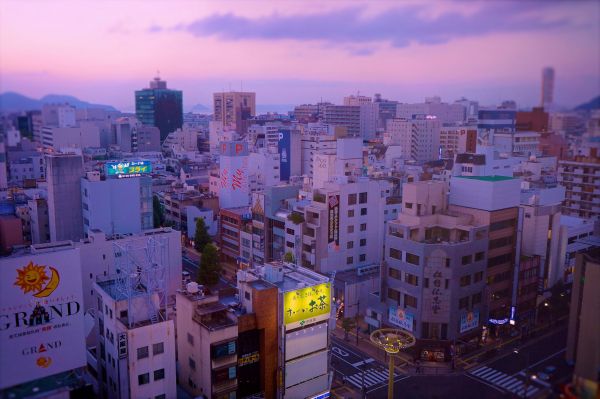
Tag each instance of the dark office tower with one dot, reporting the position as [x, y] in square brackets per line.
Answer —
[160, 107]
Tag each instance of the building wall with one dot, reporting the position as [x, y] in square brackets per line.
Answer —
[11, 233]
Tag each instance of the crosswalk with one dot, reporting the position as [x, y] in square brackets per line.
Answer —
[505, 381]
[372, 377]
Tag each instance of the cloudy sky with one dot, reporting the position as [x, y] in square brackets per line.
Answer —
[297, 52]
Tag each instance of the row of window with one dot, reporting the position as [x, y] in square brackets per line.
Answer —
[409, 300]
[145, 378]
[410, 258]
[363, 227]
[362, 198]
[363, 212]
[361, 258]
[463, 303]
[362, 243]
[143, 352]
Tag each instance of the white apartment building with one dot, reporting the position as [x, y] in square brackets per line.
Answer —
[58, 115]
[316, 139]
[58, 138]
[348, 161]
[485, 162]
[263, 169]
[581, 178]
[419, 137]
[524, 143]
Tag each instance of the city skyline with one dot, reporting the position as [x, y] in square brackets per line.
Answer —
[349, 47]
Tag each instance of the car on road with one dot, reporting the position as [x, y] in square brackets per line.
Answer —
[547, 374]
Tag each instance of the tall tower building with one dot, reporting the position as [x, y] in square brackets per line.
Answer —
[547, 86]
[64, 172]
[160, 107]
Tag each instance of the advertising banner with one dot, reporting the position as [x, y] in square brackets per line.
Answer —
[307, 305]
[401, 318]
[41, 316]
[469, 321]
[284, 149]
[128, 169]
[333, 236]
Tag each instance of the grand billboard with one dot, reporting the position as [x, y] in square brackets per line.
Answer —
[469, 321]
[128, 169]
[401, 318]
[284, 146]
[307, 305]
[41, 316]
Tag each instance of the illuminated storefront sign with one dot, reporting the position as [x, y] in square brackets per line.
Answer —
[128, 168]
[307, 305]
[469, 321]
[401, 318]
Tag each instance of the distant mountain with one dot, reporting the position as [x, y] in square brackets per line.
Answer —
[11, 101]
[199, 109]
[592, 104]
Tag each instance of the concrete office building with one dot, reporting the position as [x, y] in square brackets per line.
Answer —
[132, 136]
[58, 115]
[584, 325]
[581, 178]
[317, 139]
[136, 343]
[418, 137]
[234, 184]
[160, 107]
[444, 112]
[435, 273]
[59, 138]
[234, 109]
[495, 120]
[517, 143]
[348, 161]
[494, 201]
[27, 168]
[116, 206]
[64, 172]
[457, 140]
[347, 116]
[40, 224]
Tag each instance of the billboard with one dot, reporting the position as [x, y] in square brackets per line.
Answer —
[306, 305]
[128, 169]
[284, 146]
[333, 235]
[41, 316]
[469, 321]
[401, 318]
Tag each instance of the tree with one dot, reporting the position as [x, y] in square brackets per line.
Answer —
[201, 238]
[289, 257]
[348, 324]
[209, 269]
[157, 212]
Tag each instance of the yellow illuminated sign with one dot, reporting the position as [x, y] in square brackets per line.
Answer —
[307, 304]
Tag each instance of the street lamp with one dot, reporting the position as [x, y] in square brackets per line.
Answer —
[392, 341]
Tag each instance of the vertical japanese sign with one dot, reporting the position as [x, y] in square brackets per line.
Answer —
[333, 236]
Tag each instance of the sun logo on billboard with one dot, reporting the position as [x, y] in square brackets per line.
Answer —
[32, 278]
[43, 361]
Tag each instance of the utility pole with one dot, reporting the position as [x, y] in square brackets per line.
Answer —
[356, 317]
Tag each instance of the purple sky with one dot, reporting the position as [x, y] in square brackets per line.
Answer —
[297, 52]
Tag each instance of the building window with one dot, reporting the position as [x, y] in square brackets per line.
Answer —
[411, 258]
[142, 352]
[363, 242]
[350, 229]
[394, 295]
[396, 254]
[411, 279]
[363, 211]
[190, 339]
[477, 277]
[351, 199]
[362, 257]
[463, 303]
[465, 280]
[143, 378]
[350, 213]
[158, 348]
[476, 298]
[410, 301]
[479, 256]
[426, 283]
[500, 242]
[465, 260]
[362, 198]
[447, 262]
[159, 374]
[349, 260]
[363, 227]
[247, 295]
[500, 259]
[394, 273]
[192, 363]
[350, 245]
[502, 224]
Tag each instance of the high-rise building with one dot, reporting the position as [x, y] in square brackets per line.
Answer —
[160, 107]
[584, 325]
[547, 87]
[418, 136]
[343, 115]
[581, 178]
[234, 185]
[445, 113]
[234, 109]
[64, 172]
[132, 136]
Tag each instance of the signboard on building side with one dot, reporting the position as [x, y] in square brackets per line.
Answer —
[401, 318]
[306, 305]
[469, 321]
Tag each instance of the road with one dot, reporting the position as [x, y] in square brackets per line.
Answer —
[358, 369]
